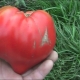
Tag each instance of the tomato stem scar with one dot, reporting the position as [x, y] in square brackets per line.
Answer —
[28, 13]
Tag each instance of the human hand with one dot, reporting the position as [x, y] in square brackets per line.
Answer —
[38, 72]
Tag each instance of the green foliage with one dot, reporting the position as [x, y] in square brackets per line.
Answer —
[66, 14]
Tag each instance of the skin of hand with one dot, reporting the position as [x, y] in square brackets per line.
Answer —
[37, 72]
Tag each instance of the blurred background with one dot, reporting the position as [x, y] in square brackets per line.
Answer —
[66, 15]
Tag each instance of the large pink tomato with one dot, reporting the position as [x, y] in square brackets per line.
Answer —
[26, 39]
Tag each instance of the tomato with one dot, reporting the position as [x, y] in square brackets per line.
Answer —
[26, 39]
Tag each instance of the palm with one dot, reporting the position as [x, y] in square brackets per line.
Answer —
[38, 72]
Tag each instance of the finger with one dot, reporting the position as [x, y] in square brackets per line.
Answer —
[53, 56]
[41, 71]
[30, 71]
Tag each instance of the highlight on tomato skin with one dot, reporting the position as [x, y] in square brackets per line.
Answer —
[26, 39]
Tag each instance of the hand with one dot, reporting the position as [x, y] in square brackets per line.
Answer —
[38, 72]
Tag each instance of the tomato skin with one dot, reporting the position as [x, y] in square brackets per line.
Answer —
[25, 40]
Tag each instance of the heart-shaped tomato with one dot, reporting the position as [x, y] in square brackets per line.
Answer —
[26, 39]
